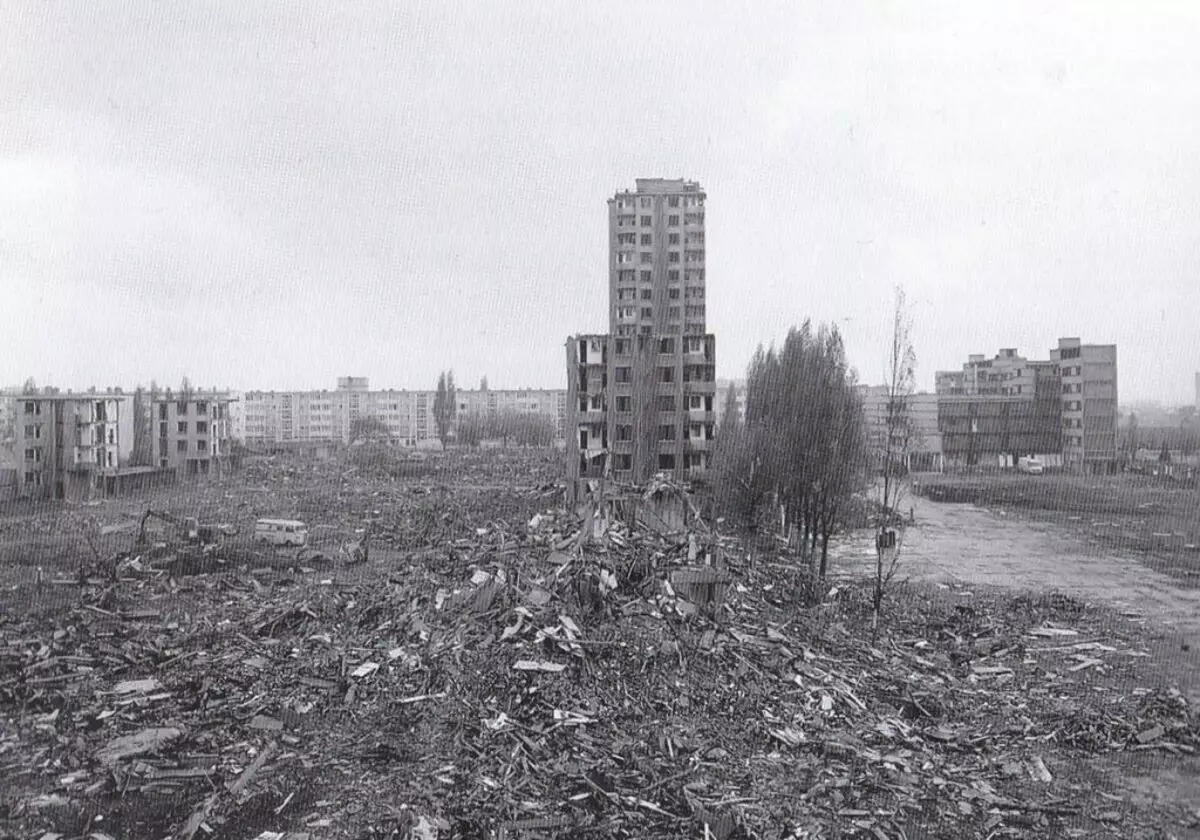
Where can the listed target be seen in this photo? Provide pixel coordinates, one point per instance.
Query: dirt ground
(963, 543)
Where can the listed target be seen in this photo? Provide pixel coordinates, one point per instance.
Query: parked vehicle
(281, 532)
(1031, 466)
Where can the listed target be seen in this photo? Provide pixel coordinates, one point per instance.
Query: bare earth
(962, 543)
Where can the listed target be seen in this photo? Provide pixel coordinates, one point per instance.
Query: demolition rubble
(499, 667)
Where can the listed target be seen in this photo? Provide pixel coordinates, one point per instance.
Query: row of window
(182, 407)
(182, 445)
(646, 202)
(672, 328)
(692, 275)
(666, 402)
(182, 427)
(673, 293)
(623, 347)
(674, 313)
(647, 257)
(648, 221)
(623, 461)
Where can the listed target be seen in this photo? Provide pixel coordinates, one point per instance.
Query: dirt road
(966, 544)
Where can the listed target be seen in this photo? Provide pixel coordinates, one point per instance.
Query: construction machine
(191, 529)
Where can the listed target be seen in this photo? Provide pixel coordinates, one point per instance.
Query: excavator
(190, 529)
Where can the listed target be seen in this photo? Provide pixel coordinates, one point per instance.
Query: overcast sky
(271, 195)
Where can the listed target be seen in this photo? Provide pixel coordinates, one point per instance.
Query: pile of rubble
(618, 671)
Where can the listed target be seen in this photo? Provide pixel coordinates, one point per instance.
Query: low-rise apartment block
(66, 445)
(296, 417)
(190, 432)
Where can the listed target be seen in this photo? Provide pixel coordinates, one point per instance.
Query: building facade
(190, 432)
(739, 386)
(642, 399)
(917, 435)
(656, 259)
(285, 417)
(65, 445)
(1062, 410)
(1089, 404)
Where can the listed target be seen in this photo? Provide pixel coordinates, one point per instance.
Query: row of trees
(521, 428)
(802, 452)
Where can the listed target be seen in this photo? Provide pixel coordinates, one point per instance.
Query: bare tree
(896, 445)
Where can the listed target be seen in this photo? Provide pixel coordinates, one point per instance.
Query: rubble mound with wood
(502, 668)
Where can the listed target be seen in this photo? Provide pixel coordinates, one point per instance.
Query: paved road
(967, 544)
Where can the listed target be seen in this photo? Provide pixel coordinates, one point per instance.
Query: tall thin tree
(901, 378)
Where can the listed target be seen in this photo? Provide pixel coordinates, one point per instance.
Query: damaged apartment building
(69, 445)
(641, 398)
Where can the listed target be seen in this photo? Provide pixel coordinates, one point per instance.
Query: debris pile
(619, 674)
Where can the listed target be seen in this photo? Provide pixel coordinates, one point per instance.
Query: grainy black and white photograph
(447, 420)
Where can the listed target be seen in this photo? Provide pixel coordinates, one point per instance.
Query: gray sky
(270, 195)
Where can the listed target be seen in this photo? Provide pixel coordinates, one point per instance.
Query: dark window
(673, 201)
(673, 256)
(666, 374)
(645, 277)
(622, 346)
(647, 294)
(623, 374)
(647, 239)
(647, 312)
(673, 221)
(673, 293)
(666, 432)
(624, 404)
(673, 275)
(624, 432)
(646, 221)
(666, 402)
(666, 461)
(666, 345)
(181, 427)
(622, 461)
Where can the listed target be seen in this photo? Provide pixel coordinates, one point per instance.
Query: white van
(1031, 466)
(281, 532)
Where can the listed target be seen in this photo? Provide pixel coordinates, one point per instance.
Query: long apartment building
(284, 417)
(66, 445)
(1062, 410)
(641, 399)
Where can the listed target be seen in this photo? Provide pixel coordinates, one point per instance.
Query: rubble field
(500, 667)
